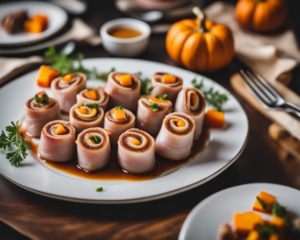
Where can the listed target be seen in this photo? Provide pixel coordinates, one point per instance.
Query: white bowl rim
(129, 22)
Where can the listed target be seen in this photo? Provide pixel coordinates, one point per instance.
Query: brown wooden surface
(39, 217)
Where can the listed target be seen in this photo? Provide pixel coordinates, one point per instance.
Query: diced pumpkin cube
(277, 221)
(60, 130)
(125, 80)
(253, 235)
(42, 19)
(82, 110)
(246, 222)
(67, 77)
(120, 115)
(135, 141)
(154, 99)
(46, 76)
(268, 199)
(168, 78)
(33, 26)
(214, 119)
(92, 94)
(274, 237)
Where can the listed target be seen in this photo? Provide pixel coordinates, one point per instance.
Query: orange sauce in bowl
(125, 32)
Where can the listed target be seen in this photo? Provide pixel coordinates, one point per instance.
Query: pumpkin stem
(201, 17)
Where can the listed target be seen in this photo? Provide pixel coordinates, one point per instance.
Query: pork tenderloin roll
(136, 152)
(57, 142)
(86, 115)
(40, 112)
(151, 112)
(66, 88)
(123, 89)
(98, 96)
(93, 149)
(164, 83)
(175, 138)
(192, 102)
(118, 120)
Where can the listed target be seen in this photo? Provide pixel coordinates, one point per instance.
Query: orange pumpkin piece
(82, 110)
(168, 78)
(180, 123)
(42, 19)
(278, 222)
(154, 99)
(274, 237)
(33, 26)
(67, 77)
(135, 141)
(246, 222)
(253, 235)
(60, 130)
(214, 119)
(92, 94)
(200, 44)
(268, 199)
(120, 115)
(261, 15)
(46, 76)
(125, 80)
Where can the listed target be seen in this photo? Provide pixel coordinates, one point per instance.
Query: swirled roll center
(159, 77)
(179, 124)
(51, 129)
(193, 100)
(137, 141)
(32, 104)
(62, 84)
(88, 141)
(86, 112)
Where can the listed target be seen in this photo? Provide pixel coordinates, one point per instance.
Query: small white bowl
(125, 47)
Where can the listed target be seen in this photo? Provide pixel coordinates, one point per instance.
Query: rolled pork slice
(192, 102)
(93, 155)
(102, 97)
(83, 117)
(118, 127)
(136, 152)
(65, 91)
(38, 114)
(57, 148)
(175, 138)
(121, 95)
(160, 88)
(149, 120)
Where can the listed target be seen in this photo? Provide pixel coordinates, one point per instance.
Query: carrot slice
(268, 200)
(246, 222)
(46, 76)
(154, 99)
(214, 119)
(42, 19)
(253, 235)
(60, 130)
(82, 110)
(120, 115)
(67, 77)
(135, 141)
(92, 94)
(180, 123)
(125, 80)
(168, 78)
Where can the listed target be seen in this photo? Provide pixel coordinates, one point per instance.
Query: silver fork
(266, 94)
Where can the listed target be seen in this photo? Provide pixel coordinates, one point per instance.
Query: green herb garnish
(118, 107)
(104, 75)
(145, 85)
(99, 189)
(95, 105)
(266, 230)
(262, 202)
(164, 97)
(19, 155)
(95, 139)
(278, 210)
(213, 98)
(45, 98)
(154, 107)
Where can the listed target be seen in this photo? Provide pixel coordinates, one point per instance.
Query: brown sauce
(114, 172)
(124, 32)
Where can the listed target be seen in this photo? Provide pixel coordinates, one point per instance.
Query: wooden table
(39, 217)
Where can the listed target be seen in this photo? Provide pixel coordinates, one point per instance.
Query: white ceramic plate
(205, 219)
(57, 19)
(223, 148)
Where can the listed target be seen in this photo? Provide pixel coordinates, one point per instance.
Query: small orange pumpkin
(261, 15)
(200, 44)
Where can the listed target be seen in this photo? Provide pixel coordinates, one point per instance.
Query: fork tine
(268, 86)
(242, 73)
(251, 76)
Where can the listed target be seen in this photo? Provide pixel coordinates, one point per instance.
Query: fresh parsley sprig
(13, 137)
(162, 97)
(95, 105)
(154, 107)
(118, 107)
(95, 139)
(213, 98)
(38, 99)
(145, 85)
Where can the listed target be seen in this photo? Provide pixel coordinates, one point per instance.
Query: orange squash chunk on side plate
(42, 19)
(92, 94)
(268, 199)
(277, 221)
(125, 80)
(246, 222)
(168, 78)
(253, 235)
(214, 119)
(120, 115)
(46, 76)
(60, 130)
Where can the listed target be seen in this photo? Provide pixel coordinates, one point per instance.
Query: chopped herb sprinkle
(95, 139)
(154, 107)
(95, 105)
(118, 107)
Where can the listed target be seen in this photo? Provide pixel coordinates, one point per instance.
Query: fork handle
(293, 105)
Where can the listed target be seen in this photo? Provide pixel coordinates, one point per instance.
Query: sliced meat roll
(151, 112)
(57, 142)
(123, 89)
(86, 115)
(136, 152)
(93, 149)
(98, 96)
(66, 88)
(118, 120)
(175, 138)
(40, 112)
(192, 102)
(164, 83)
